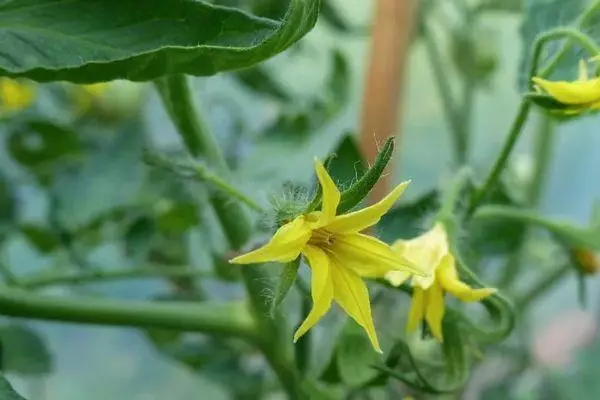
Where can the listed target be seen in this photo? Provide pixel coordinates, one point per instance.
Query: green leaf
(338, 82)
(543, 15)
(41, 237)
(7, 206)
(346, 163)
(24, 351)
(355, 356)
(178, 218)
(7, 392)
(286, 280)
(408, 220)
(91, 41)
(260, 80)
(111, 178)
(37, 144)
(361, 188)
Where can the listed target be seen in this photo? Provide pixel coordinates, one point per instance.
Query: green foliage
(355, 356)
(543, 15)
(118, 39)
(7, 392)
(24, 351)
(286, 280)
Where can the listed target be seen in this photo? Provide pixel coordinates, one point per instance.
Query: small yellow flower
(431, 252)
(15, 95)
(85, 96)
(337, 253)
(583, 93)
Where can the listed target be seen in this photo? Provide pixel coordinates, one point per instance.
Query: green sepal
(286, 280)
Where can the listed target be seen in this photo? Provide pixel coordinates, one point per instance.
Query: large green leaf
(7, 392)
(24, 351)
(90, 41)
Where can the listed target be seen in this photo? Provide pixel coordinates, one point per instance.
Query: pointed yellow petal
(448, 279)
(417, 310)
(577, 92)
(321, 289)
(331, 194)
(361, 219)
(368, 256)
(352, 295)
(284, 246)
(397, 278)
(435, 309)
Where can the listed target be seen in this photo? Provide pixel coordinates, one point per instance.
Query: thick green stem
(502, 159)
(232, 319)
(543, 146)
(274, 343)
(200, 142)
(94, 276)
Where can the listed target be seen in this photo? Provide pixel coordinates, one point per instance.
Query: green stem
(87, 276)
(583, 18)
(202, 173)
(445, 91)
(176, 96)
(502, 159)
(543, 146)
(232, 319)
(274, 343)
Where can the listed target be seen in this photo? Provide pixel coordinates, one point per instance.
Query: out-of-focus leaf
(118, 39)
(24, 351)
(543, 15)
(110, 179)
(355, 356)
(178, 218)
(7, 392)
(286, 280)
(338, 82)
(409, 220)
(7, 206)
(41, 237)
(476, 55)
(332, 16)
(36, 144)
(259, 79)
(495, 237)
(346, 164)
(139, 236)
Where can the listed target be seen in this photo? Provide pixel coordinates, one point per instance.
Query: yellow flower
(431, 252)
(337, 253)
(14, 95)
(86, 95)
(586, 261)
(583, 93)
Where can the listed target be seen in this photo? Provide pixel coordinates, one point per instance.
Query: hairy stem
(232, 319)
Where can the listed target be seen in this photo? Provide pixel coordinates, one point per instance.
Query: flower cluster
(340, 256)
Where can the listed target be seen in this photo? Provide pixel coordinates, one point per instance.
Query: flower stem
(502, 159)
(233, 319)
(200, 142)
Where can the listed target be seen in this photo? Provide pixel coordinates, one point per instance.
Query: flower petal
(435, 309)
(285, 245)
(448, 279)
(361, 219)
(576, 92)
(331, 194)
(321, 289)
(397, 278)
(352, 295)
(368, 256)
(417, 309)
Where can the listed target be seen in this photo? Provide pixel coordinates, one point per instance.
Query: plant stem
(202, 173)
(232, 319)
(502, 159)
(273, 341)
(445, 91)
(583, 18)
(176, 96)
(543, 146)
(79, 277)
